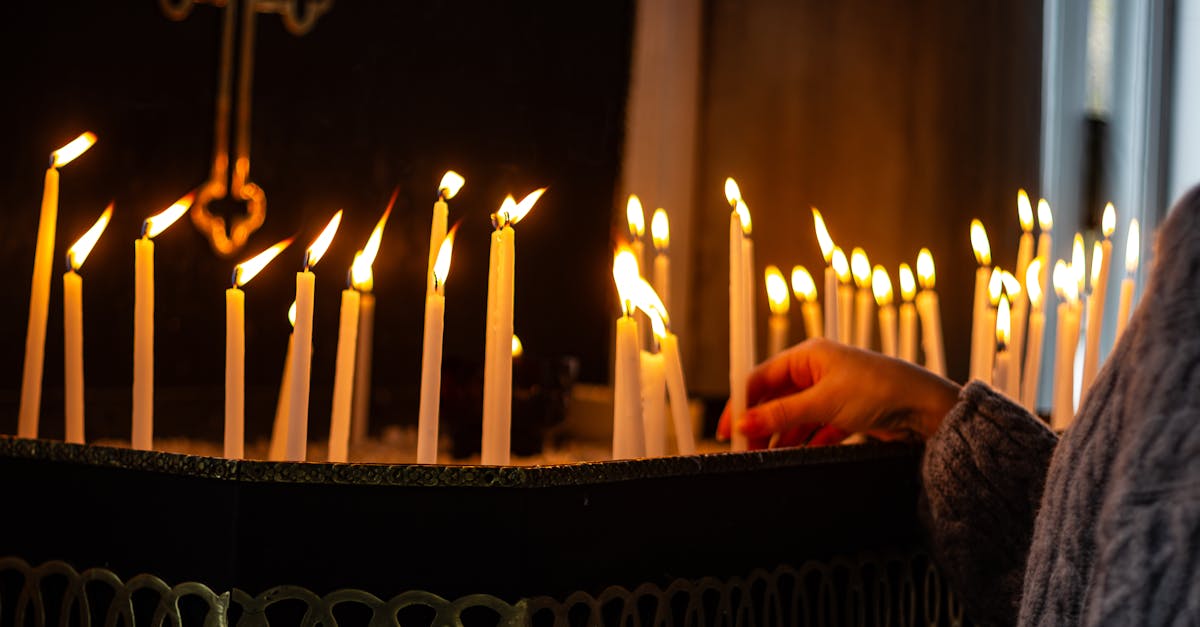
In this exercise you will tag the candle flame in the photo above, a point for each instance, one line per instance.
(361, 274)
(243, 272)
(635, 216)
(881, 284)
(803, 285)
(840, 266)
(823, 238)
(1133, 246)
(1033, 275)
(317, 249)
(1062, 279)
(860, 267)
(979, 242)
(646, 299)
(908, 283)
(518, 348)
(743, 215)
(1012, 285)
(292, 314)
(1045, 218)
(733, 193)
(511, 213)
(660, 230)
(80, 250)
(995, 285)
(158, 223)
(72, 150)
(778, 297)
(1079, 262)
(1108, 221)
(362, 277)
(925, 273)
(451, 182)
(626, 275)
(1024, 211)
(657, 325)
(1003, 324)
(441, 266)
(1097, 259)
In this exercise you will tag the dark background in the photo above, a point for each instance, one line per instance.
(380, 94)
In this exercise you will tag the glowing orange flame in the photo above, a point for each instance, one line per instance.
(744, 216)
(292, 314)
(360, 271)
(626, 276)
(518, 348)
(451, 182)
(1133, 246)
(908, 283)
(660, 230)
(1012, 286)
(158, 223)
(1033, 275)
(823, 238)
(80, 250)
(511, 213)
(243, 272)
(840, 266)
(1045, 217)
(1003, 324)
(803, 285)
(996, 285)
(881, 284)
(72, 150)
(860, 267)
(778, 298)
(1024, 211)
(635, 216)
(441, 266)
(317, 249)
(733, 193)
(1108, 221)
(925, 272)
(979, 243)
(1078, 262)
(1097, 259)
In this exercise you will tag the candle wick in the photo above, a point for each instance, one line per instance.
(442, 194)
(237, 276)
(54, 161)
(71, 261)
(145, 228)
(307, 260)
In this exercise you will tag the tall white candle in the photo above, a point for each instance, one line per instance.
(39, 290)
(881, 284)
(981, 330)
(864, 303)
(1018, 314)
(654, 403)
(987, 351)
(1132, 246)
(448, 188)
(930, 312)
(359, 422)
(297, 430)
(805, 291)
(343, 377)
(431, 357)
(1066, 335)
(1045, 243)
(497, 380)
(635, 216)
(845, 297)
(1101, 262)
(830, 322)
(73, 328)
(660, 233)
(779, 300)
(628, 431)
(1031, 372)
(685, 440)
(278, 447)
(1020, 300)
(1003, 361)
(908, 315)
(143, 322)
(749, 291)
(738, 351)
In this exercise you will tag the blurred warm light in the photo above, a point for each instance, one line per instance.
(292, 314)
(626, 276)
(732, 192)
(995, 285)
(361, 274)
(79, 251)
(1032, 282)
(1003, 324)
(823, 238)
(451, 182)
(743, 215)
(1012, 286)
(1108, 221)
(1065, 284)
(243, 272)
(518, 348)
(660, 230)
(881, 284)
(1045, 218)
(840, 266)
(1097, 259)
(441, 266)
(1024, 211)
(648, 300)
(317, 249)
(908, 283)
(979, 243)
(925, 273)
(803, 285)
(860, 267)
(158, 223)
(635, 216)
(657, 325)
(778, 297)
(1132, 246)
(72, 150)
(1079, 262)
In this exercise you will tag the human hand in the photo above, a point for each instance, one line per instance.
(819, 382)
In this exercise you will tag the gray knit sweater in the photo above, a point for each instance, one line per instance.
(1102, 528)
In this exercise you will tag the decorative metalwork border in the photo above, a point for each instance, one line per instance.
(901, 589)
(586, 473)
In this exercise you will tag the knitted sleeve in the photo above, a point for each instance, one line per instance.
(983, 474)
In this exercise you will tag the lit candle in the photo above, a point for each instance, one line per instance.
(987, 351)
(654, 403)
(1044, 242)
(497, 376)
(931, 316)
(741, 329)
(1132, 245)
(832, 332)
(278, 448)
(660, 233)
(748, 290)
(845, 295)
(39, 290)
(1020, 301)
(1017, 316)
(235, 349)
(364, 282)
(143, 322)
(306, 283)
(1066, 333)
(805, 290)
(981, 330)
(681, 420)
(431, 356)
(448, 188)
(779, 301)
(864, 304)
(635, 217)
(628, 433)
(73, 327)
(1101, 260)
(881, 284)
(1003, 358)
(908, 315)
(350, 347)
(1037, 323)
(1078, 269)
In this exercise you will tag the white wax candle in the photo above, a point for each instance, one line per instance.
(812, 319)
(887, 330)
(1124, 306)
(931, 331)
(832, 316)
(907, 349)
(235, 373)
(654, 403)
(278, 448)
(987, 350)
(627, 404)
(738, 352)
(864, 310)
(297, 431)
(143, 345)
(1068, 336)
(845, 294)
(488, 437)
(498, 449)
(777, 338)
(1020, 316)
(980, 329)
(685, 440)
(362, 368)
(437, 233)
(431, 378)
(1002, 368)
(1095, 320)
(73, 355)
(343, 378)
(39, 309)
(1033, 360)
(750, 311)
(662, 278)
